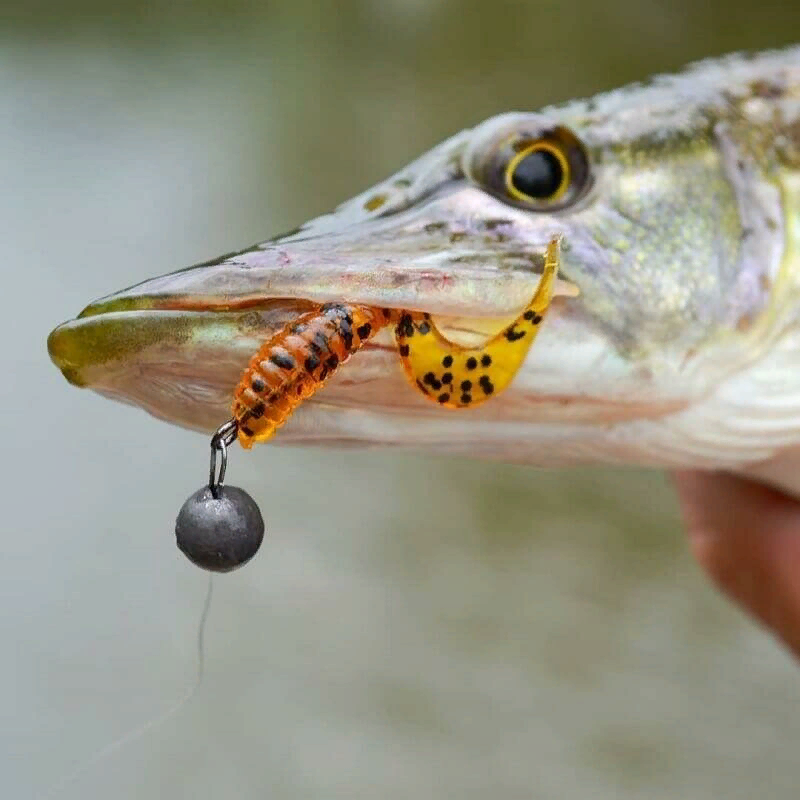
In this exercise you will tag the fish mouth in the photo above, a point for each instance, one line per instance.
(182, 364)
(176, 345)
(180, 359)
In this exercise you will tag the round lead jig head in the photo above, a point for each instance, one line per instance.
(220, 528)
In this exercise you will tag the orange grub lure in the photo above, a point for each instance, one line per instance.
(297, 360)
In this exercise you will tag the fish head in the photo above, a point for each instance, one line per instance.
(673, 241)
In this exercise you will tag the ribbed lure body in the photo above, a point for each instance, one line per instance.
(297, 361)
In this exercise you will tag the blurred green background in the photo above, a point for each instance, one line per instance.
(408, 630)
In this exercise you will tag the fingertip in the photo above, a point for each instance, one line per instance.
(747, 538)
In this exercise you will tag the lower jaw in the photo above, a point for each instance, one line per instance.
(182, 367)
(370, 402)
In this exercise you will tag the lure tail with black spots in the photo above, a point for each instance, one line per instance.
(298, 360)
(458, 377)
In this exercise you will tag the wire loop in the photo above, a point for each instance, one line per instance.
(220, 441)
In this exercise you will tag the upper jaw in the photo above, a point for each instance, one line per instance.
(460, 253)
(457, 254)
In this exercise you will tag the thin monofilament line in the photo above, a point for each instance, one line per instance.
(140, 730)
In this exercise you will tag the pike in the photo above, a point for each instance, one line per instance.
(677, 205)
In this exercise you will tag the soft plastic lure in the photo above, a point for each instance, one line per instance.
(297, 360)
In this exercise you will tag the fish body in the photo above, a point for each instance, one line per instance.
(680, 228)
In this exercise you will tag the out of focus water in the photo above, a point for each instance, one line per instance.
(414, 627)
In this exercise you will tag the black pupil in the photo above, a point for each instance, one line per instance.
(538, 175)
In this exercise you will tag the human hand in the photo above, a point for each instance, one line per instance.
(747, 538)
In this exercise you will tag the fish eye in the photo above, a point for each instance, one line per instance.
(540, 170)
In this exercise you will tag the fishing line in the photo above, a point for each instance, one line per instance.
(154, 722)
